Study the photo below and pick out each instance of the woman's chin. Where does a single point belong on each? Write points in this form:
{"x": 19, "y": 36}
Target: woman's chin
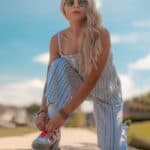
{"x": 76, "y": 19}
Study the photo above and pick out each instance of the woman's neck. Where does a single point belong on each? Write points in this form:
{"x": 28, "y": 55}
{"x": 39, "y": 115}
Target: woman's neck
{"x": 76, "y": 28}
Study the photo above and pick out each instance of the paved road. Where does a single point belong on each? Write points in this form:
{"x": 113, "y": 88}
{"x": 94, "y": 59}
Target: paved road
{"x": 72, "y": 139}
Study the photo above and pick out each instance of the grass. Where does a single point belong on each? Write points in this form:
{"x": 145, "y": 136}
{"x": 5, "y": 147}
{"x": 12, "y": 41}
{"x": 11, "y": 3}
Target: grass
{"x": 18, "y": 131}
{"x": 140, "y": 130}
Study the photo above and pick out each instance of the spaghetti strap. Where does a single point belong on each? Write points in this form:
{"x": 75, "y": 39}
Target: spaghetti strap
{"x": 59, "y": 42}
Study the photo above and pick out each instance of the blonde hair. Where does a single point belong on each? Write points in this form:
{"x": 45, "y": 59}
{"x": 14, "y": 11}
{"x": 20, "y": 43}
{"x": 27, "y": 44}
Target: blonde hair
{"x": 90, "y": 38}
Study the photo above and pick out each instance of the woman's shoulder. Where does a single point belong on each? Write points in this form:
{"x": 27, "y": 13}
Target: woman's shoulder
{"x": 54, "y": 40}
{"x": 54, "y": 37}
{"x": 64, "y": 32}
{"x": 53, "y": 44}
{"x": 105, "y": 35}
{"x": 104, "y": 31}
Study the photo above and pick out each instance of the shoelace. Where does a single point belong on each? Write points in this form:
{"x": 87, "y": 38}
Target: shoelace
{"x": 43, "y": 134}
{"x": 53, "y": 136}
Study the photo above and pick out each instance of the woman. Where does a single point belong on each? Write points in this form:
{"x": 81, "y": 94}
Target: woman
{"x": 86, "y": 45}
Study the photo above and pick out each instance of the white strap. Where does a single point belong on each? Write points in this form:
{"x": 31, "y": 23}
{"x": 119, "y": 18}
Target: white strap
{"x": 59, "y": 42}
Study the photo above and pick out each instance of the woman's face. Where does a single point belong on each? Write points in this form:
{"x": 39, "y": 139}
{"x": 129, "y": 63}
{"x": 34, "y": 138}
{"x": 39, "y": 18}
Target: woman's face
{"x": 75, "y": 10}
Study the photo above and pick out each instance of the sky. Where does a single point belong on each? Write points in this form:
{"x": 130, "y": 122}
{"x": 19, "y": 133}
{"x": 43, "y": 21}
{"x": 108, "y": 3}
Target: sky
{"x": 26, "y": 28}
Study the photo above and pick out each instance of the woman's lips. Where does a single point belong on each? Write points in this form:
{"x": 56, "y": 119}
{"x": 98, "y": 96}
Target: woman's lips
{"x": 76, "y": 11}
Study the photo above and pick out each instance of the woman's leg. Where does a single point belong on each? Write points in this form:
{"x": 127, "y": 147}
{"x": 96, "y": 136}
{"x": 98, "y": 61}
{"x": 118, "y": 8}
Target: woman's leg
{"x": 63, "y": 81}
{"x": 108, "y": 119}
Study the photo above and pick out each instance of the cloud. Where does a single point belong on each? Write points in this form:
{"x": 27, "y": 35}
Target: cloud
{"x": 42, "y": 58}
{"x": 130, "y": 38}
{"x": 129, "y": 89}
{"x": 141, "y": 64}
{"x": 21, "y": 93}
{"x": 142, "y": 23}
{"x": 127, "y": 83}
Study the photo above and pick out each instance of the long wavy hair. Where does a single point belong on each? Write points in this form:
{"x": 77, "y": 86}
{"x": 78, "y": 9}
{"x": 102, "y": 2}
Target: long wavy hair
{"x": 90, "y": 40}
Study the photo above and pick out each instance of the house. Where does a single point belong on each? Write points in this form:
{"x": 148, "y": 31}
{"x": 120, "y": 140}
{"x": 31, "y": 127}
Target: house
{"x": 11, "y": 116}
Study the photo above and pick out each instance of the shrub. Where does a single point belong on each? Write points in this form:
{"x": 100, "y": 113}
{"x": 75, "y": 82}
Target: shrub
{"x": 139, "y": 143}
{"x": 77, "y": 119}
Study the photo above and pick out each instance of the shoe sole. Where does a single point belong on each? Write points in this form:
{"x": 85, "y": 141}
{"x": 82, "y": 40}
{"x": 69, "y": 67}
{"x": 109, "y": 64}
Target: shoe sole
{"x": 55, "y": 146}
{"x": 37, "y": 146}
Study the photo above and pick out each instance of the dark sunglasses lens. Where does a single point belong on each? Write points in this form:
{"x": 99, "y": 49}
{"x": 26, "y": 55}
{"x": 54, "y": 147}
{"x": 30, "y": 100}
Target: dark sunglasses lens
{"x": 83, "y": 2}
{"x": 70, "y": 2}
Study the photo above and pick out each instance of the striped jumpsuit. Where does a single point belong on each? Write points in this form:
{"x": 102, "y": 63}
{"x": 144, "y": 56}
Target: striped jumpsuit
{"x": 64, "y": 79}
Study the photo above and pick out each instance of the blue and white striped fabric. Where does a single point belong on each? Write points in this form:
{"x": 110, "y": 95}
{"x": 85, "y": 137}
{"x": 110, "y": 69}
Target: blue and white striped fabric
{"x": 63, "y": 81}
{"x": 108, "y": 119}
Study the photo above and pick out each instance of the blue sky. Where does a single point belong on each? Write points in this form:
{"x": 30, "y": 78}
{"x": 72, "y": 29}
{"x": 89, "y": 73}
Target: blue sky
{"x": 27, "y": 26}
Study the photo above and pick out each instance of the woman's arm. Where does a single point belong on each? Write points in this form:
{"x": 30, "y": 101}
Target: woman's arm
{"x": 91, "y": 78}
{"x": 53, "y": 54}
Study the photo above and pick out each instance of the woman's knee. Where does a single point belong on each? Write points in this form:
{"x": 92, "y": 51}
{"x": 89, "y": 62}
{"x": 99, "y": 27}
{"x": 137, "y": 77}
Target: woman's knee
{"x": 58, "y": 61}
{"x": 59, "y": 64}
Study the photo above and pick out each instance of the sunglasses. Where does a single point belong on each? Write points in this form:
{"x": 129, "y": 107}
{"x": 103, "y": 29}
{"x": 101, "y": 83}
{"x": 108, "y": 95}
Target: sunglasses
{"x": 81, "y": 3}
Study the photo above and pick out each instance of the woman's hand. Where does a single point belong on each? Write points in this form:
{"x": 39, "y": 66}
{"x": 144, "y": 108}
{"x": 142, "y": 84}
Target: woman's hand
{"x": 54, "y": 123}
{"x": 41, "y": 121}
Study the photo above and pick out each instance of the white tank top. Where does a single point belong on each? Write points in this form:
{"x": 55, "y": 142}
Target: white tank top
{"x": 108, "y": 85}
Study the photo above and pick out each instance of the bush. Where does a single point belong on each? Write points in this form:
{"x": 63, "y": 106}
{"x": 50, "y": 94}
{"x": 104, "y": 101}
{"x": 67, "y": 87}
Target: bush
{"x": 139, "y": 135}
{"x": 139, "y": 143}
{"x": 33, "y": 108}
{"x": 77, "y": 119}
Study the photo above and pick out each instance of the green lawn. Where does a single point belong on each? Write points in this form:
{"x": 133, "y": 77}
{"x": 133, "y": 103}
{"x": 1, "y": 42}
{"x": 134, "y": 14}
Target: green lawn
{"x": 140, "y": 130}
{"x": 18, "y": 131}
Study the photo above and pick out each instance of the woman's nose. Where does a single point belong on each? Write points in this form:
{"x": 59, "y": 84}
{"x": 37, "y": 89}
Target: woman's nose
{"x": 76, "y": 3}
